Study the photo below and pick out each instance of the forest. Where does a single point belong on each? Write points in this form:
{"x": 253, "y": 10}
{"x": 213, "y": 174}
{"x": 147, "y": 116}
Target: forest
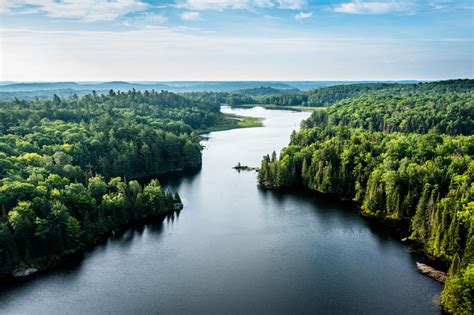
{"x": 401, "y": 156}
{"x": 326, "y": 96}
{"x": 70, "y": 168}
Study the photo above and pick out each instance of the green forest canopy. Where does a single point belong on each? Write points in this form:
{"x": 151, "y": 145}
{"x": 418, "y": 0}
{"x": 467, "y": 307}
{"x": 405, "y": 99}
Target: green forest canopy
{"x": 407, "y": 156}
{"x": 329, "y": 95}
{"x": 326, "y": 96}
{"x": 67, "y": 167}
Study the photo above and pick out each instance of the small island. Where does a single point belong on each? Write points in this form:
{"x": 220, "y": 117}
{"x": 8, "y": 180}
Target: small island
{"x": 239, "y": 167}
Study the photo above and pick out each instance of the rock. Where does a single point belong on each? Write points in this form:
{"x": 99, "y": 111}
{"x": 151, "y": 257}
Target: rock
{"x": 23, "y": 272}
{"x": 431, "y": 272}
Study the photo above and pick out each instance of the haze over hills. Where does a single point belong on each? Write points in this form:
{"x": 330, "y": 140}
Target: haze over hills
{"x": 10, "y": 89}
{"x": 181, "y": 86}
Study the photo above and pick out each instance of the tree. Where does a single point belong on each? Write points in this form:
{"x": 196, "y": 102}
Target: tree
{"x": 73, "y": 233}
{"x": 97, "y": 187}
{"x": 61, "y": 158}
{"x": 154, "y": 197}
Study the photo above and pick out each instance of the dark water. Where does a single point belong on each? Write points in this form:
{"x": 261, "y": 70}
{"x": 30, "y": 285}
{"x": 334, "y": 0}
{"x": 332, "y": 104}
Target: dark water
{"x": 235, "y": 248}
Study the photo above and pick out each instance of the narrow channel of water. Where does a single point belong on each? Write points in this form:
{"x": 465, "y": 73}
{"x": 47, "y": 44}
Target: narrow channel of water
{"x": 236, "y": 248}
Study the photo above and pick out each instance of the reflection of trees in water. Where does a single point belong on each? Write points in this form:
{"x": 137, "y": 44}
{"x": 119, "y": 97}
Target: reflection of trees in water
{"x": 329, "y": 210}
{"x": 171, "y": 217}
{"x": 172, "y": 181}
{"x": 71, "y": 268}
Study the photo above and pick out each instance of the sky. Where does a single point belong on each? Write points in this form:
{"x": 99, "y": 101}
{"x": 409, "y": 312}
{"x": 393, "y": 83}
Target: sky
{"x": 144, "y": 40}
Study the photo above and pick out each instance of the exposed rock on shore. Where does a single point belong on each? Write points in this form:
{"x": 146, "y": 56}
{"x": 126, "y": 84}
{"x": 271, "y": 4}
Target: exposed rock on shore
{"x": 431, "y": 272}
{"x": 23, "y": 272}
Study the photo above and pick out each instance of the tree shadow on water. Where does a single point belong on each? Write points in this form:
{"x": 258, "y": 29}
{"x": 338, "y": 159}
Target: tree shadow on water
{"x": 174, "y": 180}
{"x": 331, "y": 210}
{"x": 71, "y": 268}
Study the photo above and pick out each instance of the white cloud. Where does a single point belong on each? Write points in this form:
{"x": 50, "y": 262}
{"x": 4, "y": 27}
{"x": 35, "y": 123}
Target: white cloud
{"x": 303, "y": 15}
{"x": 184, "y": 54}
{"x": 8, "y": 6}
{"x": 220, "y": 5}
{"x": 145, "y": 19}
{"x": 191, "y": 16}
{"x": 84, "y": 10}
{"x": 372, "y": 7}
{"x": 263, "y": 3}
{"x": 451, "y": 5}
{"x": 291, "y": 4}
{"x": 151, "y": 18}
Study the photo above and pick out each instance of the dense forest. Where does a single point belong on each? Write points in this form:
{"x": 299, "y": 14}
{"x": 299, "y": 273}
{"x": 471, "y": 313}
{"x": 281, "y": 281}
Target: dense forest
{"x": 329, "y": 95}
{"x": 221, "y": 98}
{"x": 326, "y": 96}
{"x": 401, "y": 157}
{"x": 69, "y": 167}
{"x": 446, "y": 113}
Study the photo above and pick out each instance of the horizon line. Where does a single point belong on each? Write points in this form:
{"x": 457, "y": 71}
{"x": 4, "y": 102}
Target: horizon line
{"x": 223, "y": 81}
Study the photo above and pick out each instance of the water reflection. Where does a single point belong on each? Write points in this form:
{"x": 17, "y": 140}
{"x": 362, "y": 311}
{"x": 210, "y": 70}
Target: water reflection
{"x": 173, "y": 181}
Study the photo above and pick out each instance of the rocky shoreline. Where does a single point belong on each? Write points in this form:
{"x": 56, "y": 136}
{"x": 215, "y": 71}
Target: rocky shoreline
{"x": 431, "y": 272}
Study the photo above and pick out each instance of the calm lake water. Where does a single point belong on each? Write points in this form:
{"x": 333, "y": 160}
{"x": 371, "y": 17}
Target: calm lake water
{"x": 235, "y": 248}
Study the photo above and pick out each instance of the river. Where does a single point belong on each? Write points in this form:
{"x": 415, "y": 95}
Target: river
{"x": 236, "y": 248}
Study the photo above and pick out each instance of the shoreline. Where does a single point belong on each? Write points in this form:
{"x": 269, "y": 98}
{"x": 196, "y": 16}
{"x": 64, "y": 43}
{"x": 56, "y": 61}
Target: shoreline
{"x": 76, "y": 255}
{"x": 233, "y": 122}
{"x": 29, "y": 271}
{"x": 397, "y": 228}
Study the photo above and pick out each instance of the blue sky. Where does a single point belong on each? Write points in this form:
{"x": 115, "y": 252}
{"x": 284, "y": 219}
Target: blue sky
{"x": 51, "y": 40}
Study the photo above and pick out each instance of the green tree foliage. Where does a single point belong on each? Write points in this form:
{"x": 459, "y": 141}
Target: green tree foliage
{"x": 459, "y": 291}
{"x": 327, "y": 96}
{"x": 64, "y": 165}
{"x": 448, "y": 113}
{"x": 407, "y": 158}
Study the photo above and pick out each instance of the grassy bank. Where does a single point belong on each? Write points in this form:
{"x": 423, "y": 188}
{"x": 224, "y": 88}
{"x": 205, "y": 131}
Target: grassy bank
{"x": 233, "y": 121}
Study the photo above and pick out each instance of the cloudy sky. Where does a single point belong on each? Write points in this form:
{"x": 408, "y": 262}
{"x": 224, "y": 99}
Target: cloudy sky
{"x": 86, "y": 40}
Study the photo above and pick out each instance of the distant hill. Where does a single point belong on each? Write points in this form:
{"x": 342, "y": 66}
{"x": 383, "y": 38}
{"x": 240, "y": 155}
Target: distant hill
{"x": 10, "y": 90}
{"x": 180, "y": 86}
{"x": 39, "y": 86}
{"x": 44, "y": 94}
{"x": 46, "y": 86}
{"x": 121, "y": 85}
{"x": 224, "y": 86}
{"x": 264, "y": 90}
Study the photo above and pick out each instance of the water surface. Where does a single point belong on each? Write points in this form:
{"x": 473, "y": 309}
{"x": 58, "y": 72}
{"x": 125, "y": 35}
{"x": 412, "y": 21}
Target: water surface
{"x": 236, "y": 248}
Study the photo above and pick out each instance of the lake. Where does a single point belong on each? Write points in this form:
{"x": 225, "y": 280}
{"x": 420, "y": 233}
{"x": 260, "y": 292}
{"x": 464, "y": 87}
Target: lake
{"x": 237, "y": 248}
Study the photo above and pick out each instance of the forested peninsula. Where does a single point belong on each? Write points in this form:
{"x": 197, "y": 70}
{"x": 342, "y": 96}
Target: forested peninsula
{"x": 402, "y": 153}
{"x": 69, "y": 168}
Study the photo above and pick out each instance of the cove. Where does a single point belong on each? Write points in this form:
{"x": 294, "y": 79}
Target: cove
{"x": 237, "y": 248}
